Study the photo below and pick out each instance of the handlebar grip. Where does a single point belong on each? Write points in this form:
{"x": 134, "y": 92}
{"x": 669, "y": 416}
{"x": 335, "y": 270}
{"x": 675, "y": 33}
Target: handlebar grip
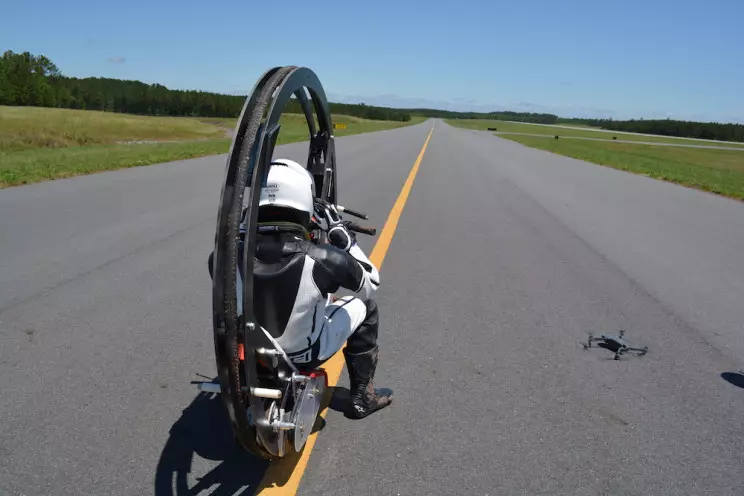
{"x": 371, "y": 231}
{"x": 352, "y": 212}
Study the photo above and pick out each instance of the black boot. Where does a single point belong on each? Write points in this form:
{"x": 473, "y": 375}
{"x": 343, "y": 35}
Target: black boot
{"x": 365, "y": 399}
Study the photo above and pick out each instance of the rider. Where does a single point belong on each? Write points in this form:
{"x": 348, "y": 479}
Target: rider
{"x": 294, "y": 279}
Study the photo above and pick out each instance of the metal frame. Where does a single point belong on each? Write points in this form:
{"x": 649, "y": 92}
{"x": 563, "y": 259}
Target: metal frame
{"x": 247, "y": 166}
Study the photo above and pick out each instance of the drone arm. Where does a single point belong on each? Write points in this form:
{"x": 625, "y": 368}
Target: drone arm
{"x": 642, "y": 351}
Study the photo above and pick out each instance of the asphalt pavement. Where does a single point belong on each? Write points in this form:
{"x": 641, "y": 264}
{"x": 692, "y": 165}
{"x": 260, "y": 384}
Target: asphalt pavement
{"x": 504, "y": 259}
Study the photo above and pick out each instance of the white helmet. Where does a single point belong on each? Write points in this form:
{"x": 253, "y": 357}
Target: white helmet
{"x": 288, "y": 185}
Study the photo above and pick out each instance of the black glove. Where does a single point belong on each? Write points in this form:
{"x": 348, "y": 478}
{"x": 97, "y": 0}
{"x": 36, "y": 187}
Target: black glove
{"x": 341, "y": 237}
{"x": 327, "y": 215}
{"x": 331, "y": 222}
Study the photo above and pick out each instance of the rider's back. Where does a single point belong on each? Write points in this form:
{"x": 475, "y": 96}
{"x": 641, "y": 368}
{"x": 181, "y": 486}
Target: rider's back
{"x": 293, "y": 278}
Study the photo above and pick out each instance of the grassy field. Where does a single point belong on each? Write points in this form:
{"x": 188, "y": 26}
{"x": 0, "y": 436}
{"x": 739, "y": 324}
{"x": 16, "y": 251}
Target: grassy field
{"x": 32, "y": 166}
{"x": 26, "y": 128}
{"x": 39, "y": 144}
{"x": 717, "y": 171}
{"x": 516, "y": 127}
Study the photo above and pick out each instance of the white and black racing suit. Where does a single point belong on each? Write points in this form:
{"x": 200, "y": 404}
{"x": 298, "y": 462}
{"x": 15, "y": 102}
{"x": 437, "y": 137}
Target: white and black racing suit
{"x": 294, "y": 280}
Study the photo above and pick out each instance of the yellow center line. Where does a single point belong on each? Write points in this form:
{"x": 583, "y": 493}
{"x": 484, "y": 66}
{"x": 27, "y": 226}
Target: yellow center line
{"x": 283, "y": 475}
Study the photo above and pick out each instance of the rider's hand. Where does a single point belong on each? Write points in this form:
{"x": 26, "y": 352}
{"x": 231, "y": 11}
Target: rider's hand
{"x": 327, "y": 215}
{"x": 330, "y": 221}
{"x": 341, "y": 237}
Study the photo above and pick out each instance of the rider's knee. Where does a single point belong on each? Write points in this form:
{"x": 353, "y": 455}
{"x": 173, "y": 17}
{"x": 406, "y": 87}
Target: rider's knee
{"x": 372, "y": 312}
{"x": 364, "y": 337}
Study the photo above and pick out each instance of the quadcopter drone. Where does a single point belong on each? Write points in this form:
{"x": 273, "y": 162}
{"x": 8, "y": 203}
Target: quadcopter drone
{"x": 615, "y": 343}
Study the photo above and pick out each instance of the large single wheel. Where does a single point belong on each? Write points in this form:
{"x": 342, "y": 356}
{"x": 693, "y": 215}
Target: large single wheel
{"x": 250, "y": 367}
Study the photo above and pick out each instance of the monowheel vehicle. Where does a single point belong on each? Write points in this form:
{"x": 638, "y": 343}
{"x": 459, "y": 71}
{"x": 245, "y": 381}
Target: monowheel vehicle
{"x": 272, "y": 403}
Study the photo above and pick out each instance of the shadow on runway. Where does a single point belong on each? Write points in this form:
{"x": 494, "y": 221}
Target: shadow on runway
{"x": 204, "y": 430}
{"x": 734, "y": 378}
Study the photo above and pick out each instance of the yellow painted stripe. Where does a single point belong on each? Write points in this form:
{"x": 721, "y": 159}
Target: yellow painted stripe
{"x": 283, "y": 476}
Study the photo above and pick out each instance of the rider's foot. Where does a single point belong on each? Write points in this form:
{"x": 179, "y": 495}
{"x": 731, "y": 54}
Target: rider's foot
{"x": 365, "y": 399}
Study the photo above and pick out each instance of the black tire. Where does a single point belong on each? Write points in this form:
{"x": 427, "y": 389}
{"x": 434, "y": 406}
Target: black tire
{"x": 237, "y": 375}
{"x": 229, "y": 366}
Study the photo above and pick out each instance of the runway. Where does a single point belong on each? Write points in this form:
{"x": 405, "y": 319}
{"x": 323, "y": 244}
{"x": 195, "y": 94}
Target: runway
{"x": 503, "y": 260}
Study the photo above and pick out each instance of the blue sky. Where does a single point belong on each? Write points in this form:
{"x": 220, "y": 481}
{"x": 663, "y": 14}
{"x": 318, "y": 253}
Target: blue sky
{"x": 621, "y": 59}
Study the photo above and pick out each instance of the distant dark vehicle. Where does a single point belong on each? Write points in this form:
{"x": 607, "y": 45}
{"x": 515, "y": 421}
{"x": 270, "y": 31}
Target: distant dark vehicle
{"x": 492, "y": 129}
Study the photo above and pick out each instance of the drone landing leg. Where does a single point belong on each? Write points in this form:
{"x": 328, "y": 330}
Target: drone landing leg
{"x": 591, "y": 340}
{"x": 641, "y": 351}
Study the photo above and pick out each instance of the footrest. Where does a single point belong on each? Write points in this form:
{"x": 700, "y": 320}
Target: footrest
{"x": 213, "y": 387}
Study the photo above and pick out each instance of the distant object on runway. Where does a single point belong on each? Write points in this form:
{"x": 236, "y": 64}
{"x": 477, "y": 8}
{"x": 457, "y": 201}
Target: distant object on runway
{"x": 615, "y": 343}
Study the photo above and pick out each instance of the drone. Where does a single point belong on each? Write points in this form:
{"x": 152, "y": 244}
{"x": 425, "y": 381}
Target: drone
{"x": 615, "y": 343}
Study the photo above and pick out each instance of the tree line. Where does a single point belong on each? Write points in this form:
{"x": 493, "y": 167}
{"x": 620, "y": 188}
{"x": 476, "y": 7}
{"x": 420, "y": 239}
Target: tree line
{"x": 503, "y": 115}
{"x": 357, "y": 110}
{"x": 34, "y": 80}
{"x": 669, "y": 127}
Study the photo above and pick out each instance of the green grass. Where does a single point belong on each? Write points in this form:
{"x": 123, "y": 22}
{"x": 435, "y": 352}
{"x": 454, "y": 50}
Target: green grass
{"x": 516, "y": 127}
{"x": 24, "y": 128}
{"x": 717, "y": 171}
{"x": 43, "y": 164}
{"x": 41, "y": 144}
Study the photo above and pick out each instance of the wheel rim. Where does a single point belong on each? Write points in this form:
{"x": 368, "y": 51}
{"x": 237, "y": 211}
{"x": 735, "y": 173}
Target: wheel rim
{"x": 248, "y": 160}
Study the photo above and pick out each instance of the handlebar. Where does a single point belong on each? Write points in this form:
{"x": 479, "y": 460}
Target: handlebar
{"x": 352, "y": 226}
{"x": 349, "y": 211}
{"x": 371, "y": 231}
